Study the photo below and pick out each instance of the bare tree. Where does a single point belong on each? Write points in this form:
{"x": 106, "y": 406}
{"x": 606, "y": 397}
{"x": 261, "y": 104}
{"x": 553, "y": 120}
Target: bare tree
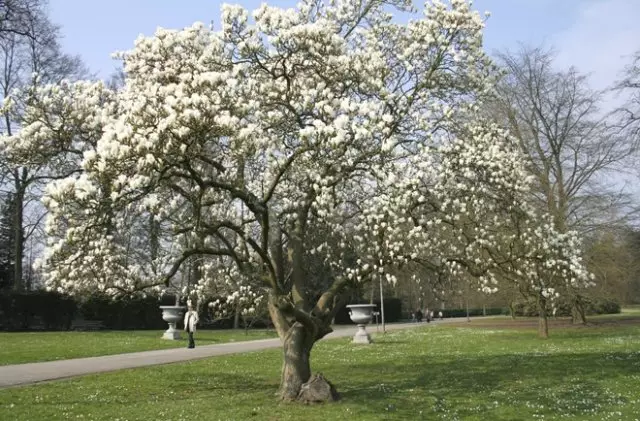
{"x": 573, "y": 154}
{"x": 15, "y": 16}
{"x": 629, "y": 113}
{"x": 31, "y": 55}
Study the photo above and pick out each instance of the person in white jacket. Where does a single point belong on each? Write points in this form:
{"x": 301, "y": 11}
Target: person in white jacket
{"x": 190, "y": 322}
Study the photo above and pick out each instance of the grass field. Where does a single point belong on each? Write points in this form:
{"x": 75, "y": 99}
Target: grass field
{"x": 26, "y": 347}
{"x": 430, "y": 373}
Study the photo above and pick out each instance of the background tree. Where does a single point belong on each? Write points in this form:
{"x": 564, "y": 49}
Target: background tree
{"x": 629, "y": 113}
{"x": 30, "y": 57}
{"x": 16, "y": 16}
{"x": 613, "y": 259}
{"x": 7, "y": 246}
{"x": 572, "y": 152}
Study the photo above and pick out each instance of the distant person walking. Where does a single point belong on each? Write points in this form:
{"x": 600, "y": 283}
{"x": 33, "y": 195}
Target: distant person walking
{"x": 440, "y": 315}
{"x": 190, "y": 322}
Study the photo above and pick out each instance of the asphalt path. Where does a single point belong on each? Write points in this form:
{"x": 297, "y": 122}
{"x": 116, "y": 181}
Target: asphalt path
{"x": 30, "y": 373}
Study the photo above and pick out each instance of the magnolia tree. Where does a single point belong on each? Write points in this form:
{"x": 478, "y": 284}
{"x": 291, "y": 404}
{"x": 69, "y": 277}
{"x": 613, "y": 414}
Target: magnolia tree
{"x": 242, "y": 144}
{"x": 244, "y": 302}
{"x": 463, "y": 209}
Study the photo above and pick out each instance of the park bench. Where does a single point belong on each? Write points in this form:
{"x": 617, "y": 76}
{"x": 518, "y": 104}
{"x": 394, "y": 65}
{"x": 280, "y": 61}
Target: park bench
{"x": 87, "y": 325}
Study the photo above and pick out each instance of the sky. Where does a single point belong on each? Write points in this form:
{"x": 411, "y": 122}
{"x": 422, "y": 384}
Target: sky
{"x": 596, "y": 36}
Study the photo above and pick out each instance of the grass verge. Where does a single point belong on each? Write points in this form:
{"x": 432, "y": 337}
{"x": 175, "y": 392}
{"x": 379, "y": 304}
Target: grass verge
{"x": 25, "y": 347}
{"x": 430, "y": 373}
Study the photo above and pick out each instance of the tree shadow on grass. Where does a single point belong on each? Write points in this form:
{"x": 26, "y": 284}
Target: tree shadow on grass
{"x": 388, "y": 342}
{"x": 425, "y": 387}
{"x": 553, "y": 383}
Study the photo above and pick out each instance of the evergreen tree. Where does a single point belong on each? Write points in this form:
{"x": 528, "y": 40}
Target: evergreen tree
{"x": 7, "y": 242}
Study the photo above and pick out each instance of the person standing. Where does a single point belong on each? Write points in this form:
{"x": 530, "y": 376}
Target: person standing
{"x": 190, "y": 322}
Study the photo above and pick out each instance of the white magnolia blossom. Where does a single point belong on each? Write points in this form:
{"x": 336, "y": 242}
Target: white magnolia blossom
{"x": 241, "y": 141}
{"x": 244, "y": 299}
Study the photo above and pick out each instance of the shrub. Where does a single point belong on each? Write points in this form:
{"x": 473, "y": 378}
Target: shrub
{"x": 564, "y": 307}
{"x": 602, "y": 306}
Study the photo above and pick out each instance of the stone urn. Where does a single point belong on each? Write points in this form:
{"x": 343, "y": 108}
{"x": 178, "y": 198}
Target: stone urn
{"x": 361, "y": 314}
{"x": 172, "y": 315}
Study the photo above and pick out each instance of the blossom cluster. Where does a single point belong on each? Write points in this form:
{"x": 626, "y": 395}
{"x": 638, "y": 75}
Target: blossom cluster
{"x": 244, "y": 300}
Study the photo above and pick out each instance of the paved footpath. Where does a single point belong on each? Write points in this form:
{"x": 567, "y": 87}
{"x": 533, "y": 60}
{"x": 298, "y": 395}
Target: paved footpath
{"x": 23, "y": 374}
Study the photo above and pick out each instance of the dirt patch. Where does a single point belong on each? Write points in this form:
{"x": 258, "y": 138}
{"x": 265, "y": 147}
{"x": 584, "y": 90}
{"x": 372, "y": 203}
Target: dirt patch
{"x": 532, "y": 323}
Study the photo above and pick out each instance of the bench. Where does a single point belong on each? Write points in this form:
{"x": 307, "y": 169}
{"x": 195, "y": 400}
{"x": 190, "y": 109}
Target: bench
{"x": 87, "y": 325}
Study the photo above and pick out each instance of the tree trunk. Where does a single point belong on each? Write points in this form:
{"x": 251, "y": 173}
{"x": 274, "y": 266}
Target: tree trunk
{"x": 543, "y": 325}
{"x": 577, "y": 311}
{"x": 373, "y": 291}
{"x": 236, "y": 318}
{"x": 466, "y": 306}
{"x": 296, "y": 369}
{"x": 543, "y": 322}
{"x": 18, "y": 245}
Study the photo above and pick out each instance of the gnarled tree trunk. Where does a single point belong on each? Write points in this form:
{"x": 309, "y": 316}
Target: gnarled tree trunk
{"x": 299, "y": 330}
{"x": 296, "y": 368}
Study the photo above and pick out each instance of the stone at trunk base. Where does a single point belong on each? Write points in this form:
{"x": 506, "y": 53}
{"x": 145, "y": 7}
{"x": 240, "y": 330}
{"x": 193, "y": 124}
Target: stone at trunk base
{"x": 318, "y": 389}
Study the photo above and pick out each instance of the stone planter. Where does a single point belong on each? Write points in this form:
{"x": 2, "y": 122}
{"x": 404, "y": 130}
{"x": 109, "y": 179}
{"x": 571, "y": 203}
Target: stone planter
{"x": 361, "y": 315}
{"x": 172, "y": 315}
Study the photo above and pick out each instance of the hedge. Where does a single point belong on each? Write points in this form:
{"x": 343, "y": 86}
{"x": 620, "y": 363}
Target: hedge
{"x": 37, "y": 309}
{"x": 45, "y": 310}
{"x": 473, "y": 312}
{"x": 125, "y": 313}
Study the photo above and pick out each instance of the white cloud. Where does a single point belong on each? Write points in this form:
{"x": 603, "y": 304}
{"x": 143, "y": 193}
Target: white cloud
{"x": 601, "y": 40}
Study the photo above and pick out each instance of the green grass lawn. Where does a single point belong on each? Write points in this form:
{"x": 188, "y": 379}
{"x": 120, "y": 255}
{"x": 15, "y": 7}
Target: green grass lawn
{"x": 634, "y": 309}
{"x": 26, "y": 347}
{"x": 430, "y": 373}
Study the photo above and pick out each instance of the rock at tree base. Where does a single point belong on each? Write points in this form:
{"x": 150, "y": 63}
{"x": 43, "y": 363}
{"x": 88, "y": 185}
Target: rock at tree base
{"x": 318, "y": 389}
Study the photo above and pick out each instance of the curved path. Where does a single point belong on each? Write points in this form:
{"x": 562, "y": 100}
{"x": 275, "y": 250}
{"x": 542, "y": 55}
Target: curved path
{"x": 23, "y": 374}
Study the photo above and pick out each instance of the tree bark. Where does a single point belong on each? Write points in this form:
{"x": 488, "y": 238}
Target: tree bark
{"x": 236, "y": 318}
{"x": 543, "y": 325}
{"x": 467, "y": 310}
{"x": 466, "y": 306}
{"x": 577, "y": 311}
{"x": 296, "y": 368}
{"x": 543, "y": 322}
{"x": 18, "y": 250}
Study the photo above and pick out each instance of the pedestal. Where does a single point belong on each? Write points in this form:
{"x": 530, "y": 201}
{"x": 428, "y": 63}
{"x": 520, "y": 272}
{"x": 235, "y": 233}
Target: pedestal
{"x": 362, "y": 336}
{"x": 172, "y": 333}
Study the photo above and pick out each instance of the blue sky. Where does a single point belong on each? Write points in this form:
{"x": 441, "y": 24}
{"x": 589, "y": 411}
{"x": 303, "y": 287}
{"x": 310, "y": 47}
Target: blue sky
{"x": 596, "y": 36}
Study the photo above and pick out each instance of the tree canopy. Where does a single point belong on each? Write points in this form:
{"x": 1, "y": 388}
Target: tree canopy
{"x": 239, "y": 144}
